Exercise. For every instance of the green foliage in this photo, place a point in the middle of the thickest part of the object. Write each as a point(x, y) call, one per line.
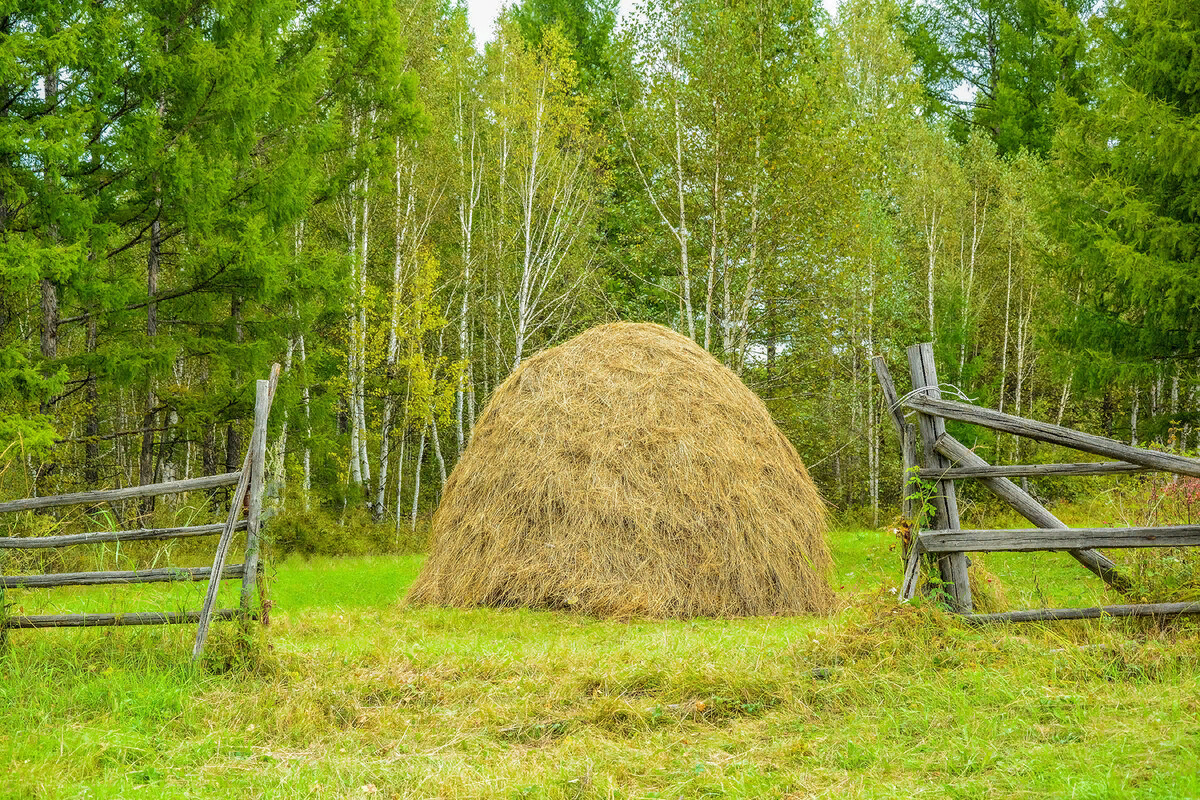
point(586, 24)
point(1129, 200)
point(995, 65)
point(320, 532)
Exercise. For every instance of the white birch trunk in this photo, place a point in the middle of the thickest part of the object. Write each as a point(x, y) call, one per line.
point(304, 402)
point(417, 478)
point(977, 229)
point(352, 324)
point(1007, 308)
point(1133, 417)
point(1062, 401)
point(1022, 324)
point(437, 453)
point(931, 247)
point(360, 416)
point(471, 187)
point(713, 249)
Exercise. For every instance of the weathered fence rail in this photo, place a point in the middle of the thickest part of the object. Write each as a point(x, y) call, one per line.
point(249, 481)
point(117, 495)
point(944, 460)
point(99, 537)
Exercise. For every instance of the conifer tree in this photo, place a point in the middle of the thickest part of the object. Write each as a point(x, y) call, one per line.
point(1130, 201)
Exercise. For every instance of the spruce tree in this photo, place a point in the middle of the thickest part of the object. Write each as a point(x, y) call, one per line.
point(1129, 205)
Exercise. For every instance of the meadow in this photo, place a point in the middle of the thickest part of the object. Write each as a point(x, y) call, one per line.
point(350, 693)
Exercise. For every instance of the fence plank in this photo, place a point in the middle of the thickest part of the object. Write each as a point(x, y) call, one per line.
point(1026, 540)
point(109, 620)
point(1096, 612)
point(1030, 509)
point(1034, 470)
point(953, 566)
point(116, 576)
point(128, 493)
point(1055, 434)
point(42, 542)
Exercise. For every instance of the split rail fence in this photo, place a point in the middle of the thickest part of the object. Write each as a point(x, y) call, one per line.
point(249, 480)
point(944, 460)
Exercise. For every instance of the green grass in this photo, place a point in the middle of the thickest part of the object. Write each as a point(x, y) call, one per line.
point(350, 693)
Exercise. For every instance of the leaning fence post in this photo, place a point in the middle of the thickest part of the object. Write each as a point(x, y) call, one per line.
point(953, 566)
point(258, 450)
point(235, 509)
point(907, 433)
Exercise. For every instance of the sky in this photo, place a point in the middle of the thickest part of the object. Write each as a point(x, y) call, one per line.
point(482, 14)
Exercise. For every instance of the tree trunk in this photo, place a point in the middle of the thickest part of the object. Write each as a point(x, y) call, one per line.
point(713, 248)
point(304, 400)
point(417, 479)
point(685, 276)
point(91, 448)
point(1133, 418)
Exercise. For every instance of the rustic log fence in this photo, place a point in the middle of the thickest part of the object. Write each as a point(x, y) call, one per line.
point(248, 480)
point(943, 460)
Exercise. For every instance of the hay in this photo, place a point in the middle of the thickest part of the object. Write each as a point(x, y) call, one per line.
point(628, 473)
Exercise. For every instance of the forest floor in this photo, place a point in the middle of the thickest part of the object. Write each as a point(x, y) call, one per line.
point(351, 694)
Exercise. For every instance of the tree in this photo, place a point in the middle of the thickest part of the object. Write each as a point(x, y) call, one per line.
point(1128, 208)
point(544, 187)
point(996, 64)
point(586, 25)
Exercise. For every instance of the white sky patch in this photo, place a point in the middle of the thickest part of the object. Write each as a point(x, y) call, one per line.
point(482, 16)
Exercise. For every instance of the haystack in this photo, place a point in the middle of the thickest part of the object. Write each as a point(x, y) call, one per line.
point(628, 473)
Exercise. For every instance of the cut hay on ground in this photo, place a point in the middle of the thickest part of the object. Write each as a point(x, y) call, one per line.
point(628, 473)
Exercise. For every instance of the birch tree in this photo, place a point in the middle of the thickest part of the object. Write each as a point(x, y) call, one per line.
point(545, 183)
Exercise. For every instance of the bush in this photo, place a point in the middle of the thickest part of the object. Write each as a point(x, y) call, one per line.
point(318, 532)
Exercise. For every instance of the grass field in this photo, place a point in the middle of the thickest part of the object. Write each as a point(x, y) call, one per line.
point(351, 694)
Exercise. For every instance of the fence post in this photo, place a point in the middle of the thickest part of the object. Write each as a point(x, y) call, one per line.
point(908, 437)
point(258, 449)
point(953, 566)
point(235, 510)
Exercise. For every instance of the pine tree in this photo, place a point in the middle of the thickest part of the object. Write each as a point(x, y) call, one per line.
point(1129, 208)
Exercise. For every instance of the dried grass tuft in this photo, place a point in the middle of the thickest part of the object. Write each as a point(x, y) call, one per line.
point(628, 473)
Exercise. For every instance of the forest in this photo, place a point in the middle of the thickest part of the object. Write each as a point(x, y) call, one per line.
point(190, 191)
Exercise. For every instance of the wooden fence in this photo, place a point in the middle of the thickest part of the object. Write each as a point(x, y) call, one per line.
point(943, 459)
point(250, 479)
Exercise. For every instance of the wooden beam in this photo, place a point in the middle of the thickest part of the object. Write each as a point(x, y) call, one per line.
point(118, 576)
point(1030, 509)
point(912, 569)
point(895, 412)
point(1035, 470)
point(953, 566)
point(42, 542)
point(258, 446)
point(128, 493)
point(1028, 540)
point(905, 430)
point(1053, 614)
point(1055, 434)
point(108, 620)
point(235, 511)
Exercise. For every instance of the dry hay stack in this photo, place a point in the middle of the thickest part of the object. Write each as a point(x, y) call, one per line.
point(628, 473)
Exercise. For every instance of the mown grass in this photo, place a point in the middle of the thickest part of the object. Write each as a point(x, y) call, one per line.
point(350, 693)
